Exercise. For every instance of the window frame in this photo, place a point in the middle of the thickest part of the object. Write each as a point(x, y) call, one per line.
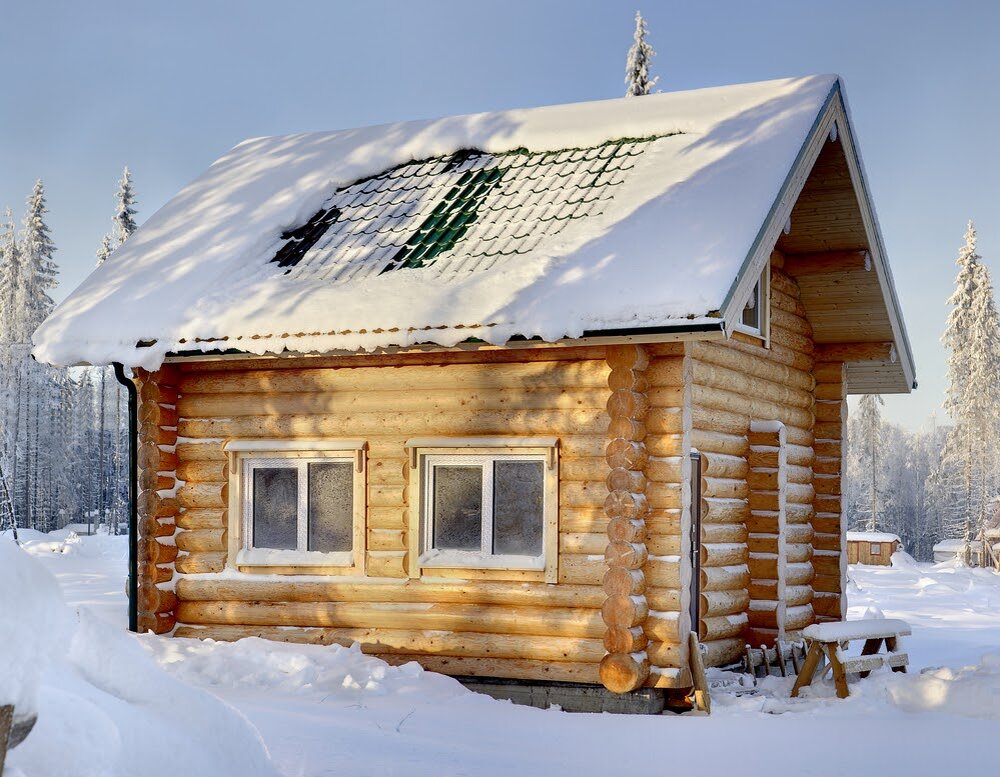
point(247, 455)
point(427, 453)
point(763, 304)
point(875, 548)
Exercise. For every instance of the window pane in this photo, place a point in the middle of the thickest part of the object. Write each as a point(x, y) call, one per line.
point(275, 507)
point(518, 499)
point(751, 313)
point(331, 506)
point(458, 507)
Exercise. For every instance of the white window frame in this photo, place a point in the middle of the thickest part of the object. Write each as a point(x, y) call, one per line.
point(247, 455)
point(763, 305)
point(428, 453)
point(875, 548)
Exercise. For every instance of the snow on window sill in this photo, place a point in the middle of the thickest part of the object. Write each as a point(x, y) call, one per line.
point(259, 557)
point(459, 559)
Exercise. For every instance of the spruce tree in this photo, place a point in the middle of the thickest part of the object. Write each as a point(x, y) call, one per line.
point(640, 55)
point(124, 208)
point(106, 249)
point(10, 273)
point(38, 270)
point(870, 432)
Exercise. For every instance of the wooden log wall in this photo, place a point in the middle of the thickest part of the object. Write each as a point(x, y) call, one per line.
point(735, 382)
point(626, 665)
point(830, 534)
point(768, 479)
point(486, 622)
point(157, 508)
point(667, 570)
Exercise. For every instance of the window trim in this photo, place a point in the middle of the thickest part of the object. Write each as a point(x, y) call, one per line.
point(875, 548)
point(763, 332)
point(240, 506)
point(423, 451)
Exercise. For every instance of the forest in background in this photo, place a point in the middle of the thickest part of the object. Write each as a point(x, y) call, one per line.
point(64, 431)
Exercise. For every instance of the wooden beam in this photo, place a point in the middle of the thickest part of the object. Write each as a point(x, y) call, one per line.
point(854, 352)
point(798, 265)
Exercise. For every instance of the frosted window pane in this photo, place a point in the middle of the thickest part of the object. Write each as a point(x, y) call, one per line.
point(331, 506)
point(458, 507)
point(275, 507)
point(751, 313)
point(518, 498)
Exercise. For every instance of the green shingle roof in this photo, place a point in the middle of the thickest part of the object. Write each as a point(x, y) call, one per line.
point(460, 212)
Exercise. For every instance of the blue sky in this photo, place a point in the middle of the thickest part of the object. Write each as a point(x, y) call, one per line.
point(169, 87)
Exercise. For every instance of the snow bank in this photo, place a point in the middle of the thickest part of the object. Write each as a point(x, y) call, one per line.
point(105, 707)
point(199, 269)
point(35, 626)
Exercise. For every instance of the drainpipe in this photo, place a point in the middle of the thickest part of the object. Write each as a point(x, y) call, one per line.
point(133, 516)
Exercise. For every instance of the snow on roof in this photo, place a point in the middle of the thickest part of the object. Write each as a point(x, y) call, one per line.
point(871, 536)
point(954, 546)
point(663, 246)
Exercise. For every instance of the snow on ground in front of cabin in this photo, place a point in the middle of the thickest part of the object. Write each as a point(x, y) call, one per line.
point(333, 711)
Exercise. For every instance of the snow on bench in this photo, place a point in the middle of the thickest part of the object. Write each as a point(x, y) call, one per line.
point(844, 631)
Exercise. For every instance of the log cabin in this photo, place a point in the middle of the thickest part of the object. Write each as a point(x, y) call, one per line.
point(871, 547)
point(529, 395)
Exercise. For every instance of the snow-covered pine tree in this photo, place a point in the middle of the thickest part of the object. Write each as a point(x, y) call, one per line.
point(972, 396)
point(10, 272)
point(640, 55)
point(870, 464)
point(38, 269)
point(105, 250)
point(124, 208)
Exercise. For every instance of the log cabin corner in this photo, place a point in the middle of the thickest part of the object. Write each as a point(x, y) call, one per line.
point(528, 395)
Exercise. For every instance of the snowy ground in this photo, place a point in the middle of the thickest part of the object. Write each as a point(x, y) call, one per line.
point(331, 711)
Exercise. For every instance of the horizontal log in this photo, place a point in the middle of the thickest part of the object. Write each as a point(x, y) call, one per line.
point(539, 621)
point(749, 405)
point(386, 563)
point(798, 617)
point(715, 603)
point(201, 495)
point(763, 566)
point(724, 555)
point(798, 594)
point(720, 465)
point(622, 640)
point(798, 574)
point(728, 511)
point(663, 599)
point(661, 573)
point(723, 651)
point(724, 488)
point(199, 563)
point(624, 582)
point(151, 574)
point(666, 654)
point(485, 375)
point(722, 627)
point(458, 423)
point(624, 612)
point(582, 570)
point(720, 421)
point(382, 642)
point(202, 540)
point(158, 623)
point(415, 399)
point(156, 600)
point(201, 519)
point(719, 442)
point(582, 494)
point(158, 552)
point(737, 380)
point(712, 533)
point(625, 454)
point(663, 626)
point(514, 669)
point(201, 451)
point(202, 471)
point(725, 578)
point(731, 356)
point(628, 379)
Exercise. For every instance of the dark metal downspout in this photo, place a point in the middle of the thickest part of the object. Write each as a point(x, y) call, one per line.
point(695, 607)
point(133, 516)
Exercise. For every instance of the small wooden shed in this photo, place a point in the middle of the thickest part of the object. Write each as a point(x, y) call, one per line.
point(871, 547)
point(527, 395)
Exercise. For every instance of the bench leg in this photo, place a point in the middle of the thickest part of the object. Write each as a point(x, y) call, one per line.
point(871, 648)
point(891, 644)
point(808, 668)
point(839, 675)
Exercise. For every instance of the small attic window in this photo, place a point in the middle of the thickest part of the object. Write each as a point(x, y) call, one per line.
point(754, 318)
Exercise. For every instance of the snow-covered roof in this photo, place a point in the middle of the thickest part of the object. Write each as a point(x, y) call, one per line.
point(954, 546)
point(871, 536)
point(644, 214)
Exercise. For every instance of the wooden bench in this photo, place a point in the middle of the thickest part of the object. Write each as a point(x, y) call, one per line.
point(829, 638)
